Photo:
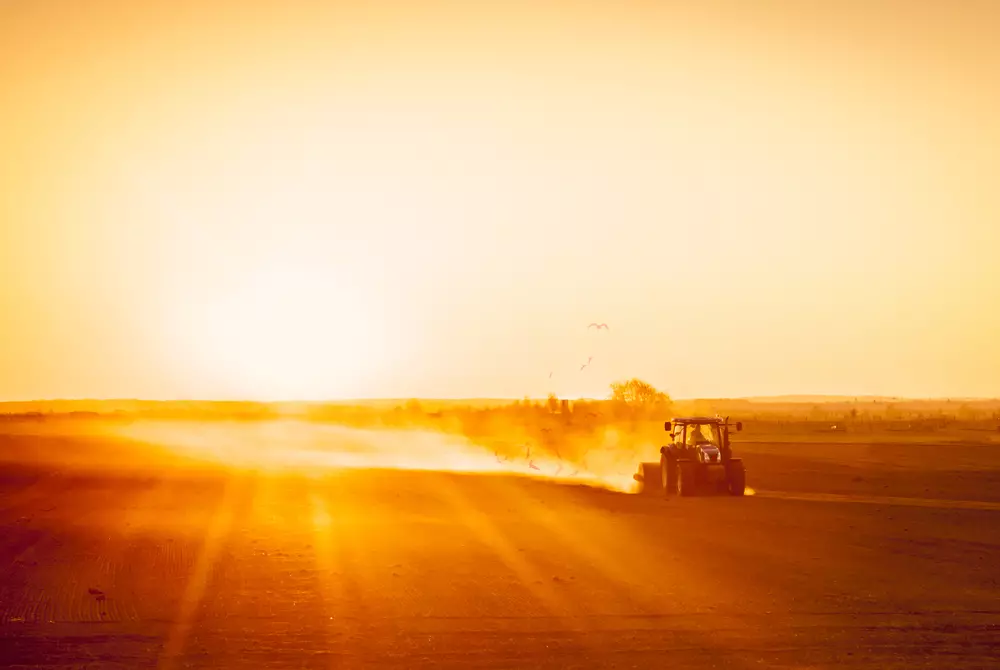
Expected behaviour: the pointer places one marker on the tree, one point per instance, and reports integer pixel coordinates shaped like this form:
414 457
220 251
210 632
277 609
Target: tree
638 394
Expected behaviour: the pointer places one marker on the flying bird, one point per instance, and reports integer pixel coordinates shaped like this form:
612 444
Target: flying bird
550 375
598 326
582 367
531 464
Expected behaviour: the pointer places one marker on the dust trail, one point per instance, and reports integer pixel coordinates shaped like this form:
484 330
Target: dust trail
290 445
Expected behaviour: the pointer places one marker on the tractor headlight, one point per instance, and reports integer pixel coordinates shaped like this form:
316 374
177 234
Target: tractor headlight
710 456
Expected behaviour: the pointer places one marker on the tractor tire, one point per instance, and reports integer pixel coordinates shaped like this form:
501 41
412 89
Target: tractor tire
736 478
668 475
686 484
651 484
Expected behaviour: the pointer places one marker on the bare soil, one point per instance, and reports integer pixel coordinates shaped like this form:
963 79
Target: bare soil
858 555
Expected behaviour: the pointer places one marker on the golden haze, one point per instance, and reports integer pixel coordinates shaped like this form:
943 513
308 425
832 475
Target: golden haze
298 200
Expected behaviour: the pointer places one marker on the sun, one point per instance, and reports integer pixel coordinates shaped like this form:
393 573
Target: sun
287 332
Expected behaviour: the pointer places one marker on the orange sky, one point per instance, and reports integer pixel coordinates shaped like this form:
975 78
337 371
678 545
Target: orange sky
325 200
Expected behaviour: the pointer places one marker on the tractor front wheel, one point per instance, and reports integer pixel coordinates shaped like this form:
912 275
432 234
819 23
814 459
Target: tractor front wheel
686 484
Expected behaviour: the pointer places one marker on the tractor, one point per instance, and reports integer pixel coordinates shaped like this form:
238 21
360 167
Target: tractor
699 460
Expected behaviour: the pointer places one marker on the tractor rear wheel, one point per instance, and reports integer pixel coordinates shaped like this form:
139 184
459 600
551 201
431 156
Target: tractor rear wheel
736 477
668 475
650 478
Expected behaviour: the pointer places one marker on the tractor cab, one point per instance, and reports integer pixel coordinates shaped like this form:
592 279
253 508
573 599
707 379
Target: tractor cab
702 439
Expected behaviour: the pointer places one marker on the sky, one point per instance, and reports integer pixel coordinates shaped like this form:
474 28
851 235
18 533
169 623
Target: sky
326 200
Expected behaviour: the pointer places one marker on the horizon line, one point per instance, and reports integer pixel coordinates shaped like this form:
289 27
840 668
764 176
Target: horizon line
786 397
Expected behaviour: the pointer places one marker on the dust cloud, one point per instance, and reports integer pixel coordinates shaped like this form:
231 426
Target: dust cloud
312 448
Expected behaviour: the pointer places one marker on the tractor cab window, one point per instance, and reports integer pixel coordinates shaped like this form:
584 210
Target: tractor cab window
702 433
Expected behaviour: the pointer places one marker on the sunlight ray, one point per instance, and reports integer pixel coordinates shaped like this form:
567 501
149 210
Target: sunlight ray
476 520
328 565
216 533
263 508
621 572
655 581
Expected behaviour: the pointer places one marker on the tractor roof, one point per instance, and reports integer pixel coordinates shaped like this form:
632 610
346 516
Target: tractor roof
698 419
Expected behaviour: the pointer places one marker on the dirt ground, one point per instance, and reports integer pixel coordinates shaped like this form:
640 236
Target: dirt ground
849 555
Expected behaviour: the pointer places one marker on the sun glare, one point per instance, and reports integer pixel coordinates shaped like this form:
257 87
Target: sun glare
286 332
